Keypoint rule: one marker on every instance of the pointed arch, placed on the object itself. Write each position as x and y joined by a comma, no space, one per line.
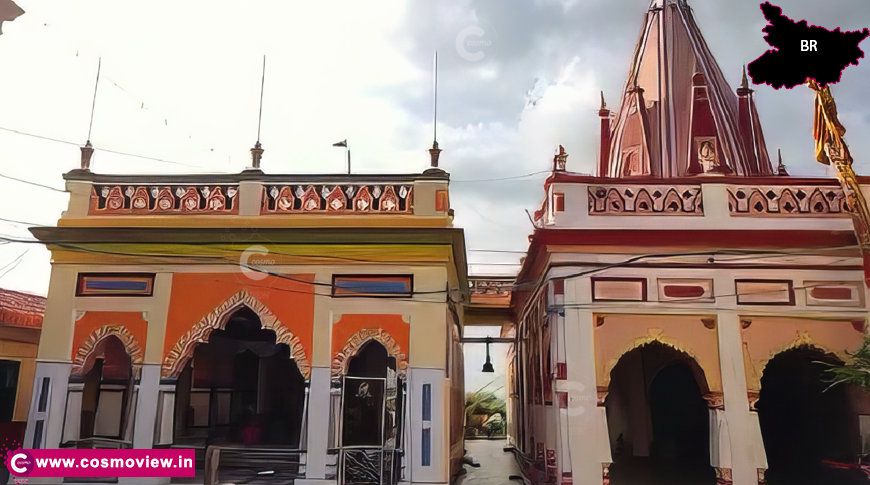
655,337
122,333
182,351
803,341
341,360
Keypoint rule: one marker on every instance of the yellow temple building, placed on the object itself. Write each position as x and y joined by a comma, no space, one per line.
309,322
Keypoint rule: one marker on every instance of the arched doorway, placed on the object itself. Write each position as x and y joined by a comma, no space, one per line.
805,423
371,417
658,419
107,391
242,387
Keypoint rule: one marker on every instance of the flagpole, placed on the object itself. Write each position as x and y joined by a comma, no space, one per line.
831,149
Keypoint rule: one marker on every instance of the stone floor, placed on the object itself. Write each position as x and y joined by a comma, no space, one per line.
495,467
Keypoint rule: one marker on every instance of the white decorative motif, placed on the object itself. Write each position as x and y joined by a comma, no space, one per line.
121,332
785,200
645,199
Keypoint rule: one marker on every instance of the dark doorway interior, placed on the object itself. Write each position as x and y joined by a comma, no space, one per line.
8,389
803,423
372,418
107,391
240,388
658,419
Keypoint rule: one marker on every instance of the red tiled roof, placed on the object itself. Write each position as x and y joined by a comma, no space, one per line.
19,309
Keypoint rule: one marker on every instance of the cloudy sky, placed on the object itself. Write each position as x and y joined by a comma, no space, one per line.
180,83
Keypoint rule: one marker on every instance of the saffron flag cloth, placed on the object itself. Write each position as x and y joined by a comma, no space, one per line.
8,12
826,124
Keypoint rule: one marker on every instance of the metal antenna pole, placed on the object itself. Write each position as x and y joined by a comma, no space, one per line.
262,84
434,152
94,104
435,99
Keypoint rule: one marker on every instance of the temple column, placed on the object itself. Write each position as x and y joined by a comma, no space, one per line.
739,446
587,422
146,419
318,462
318,424
45,421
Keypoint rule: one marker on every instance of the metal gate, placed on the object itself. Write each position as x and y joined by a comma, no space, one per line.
370,423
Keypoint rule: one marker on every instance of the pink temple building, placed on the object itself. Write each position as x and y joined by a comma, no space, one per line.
677,311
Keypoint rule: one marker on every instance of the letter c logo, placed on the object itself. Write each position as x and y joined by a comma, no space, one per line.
244,266
21,463
460,43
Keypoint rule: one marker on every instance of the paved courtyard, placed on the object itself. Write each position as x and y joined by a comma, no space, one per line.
495,467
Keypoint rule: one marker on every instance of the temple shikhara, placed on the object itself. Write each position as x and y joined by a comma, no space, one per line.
674,319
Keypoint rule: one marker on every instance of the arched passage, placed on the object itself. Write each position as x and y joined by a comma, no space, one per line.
241,387
658,419
372,416
107,390
806,426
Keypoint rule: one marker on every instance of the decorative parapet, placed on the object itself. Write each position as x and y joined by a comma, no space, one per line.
163,199
648,199
787,201
497,287
334,199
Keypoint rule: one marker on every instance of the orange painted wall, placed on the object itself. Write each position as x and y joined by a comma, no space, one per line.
621,333
349,325
767,337
91,321
195,295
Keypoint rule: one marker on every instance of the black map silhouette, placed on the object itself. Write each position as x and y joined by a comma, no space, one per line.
792,58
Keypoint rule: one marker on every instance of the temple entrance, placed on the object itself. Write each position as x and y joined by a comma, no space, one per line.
658,419
806,425
241,388
371,418
107,391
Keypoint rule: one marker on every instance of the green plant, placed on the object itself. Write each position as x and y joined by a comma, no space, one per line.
855,371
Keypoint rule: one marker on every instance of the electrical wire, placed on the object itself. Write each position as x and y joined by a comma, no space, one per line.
161,160
14,264
32,183
502,178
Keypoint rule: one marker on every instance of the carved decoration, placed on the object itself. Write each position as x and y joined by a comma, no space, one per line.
159,200
715,400
803,340
122,333
753,399
745,323
603,391
723,476
341,360
338,199
490,287
761,479
605,473
652,199
709,323
784,201
182,351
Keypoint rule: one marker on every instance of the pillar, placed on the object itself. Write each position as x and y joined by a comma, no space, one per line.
318,425
45,422
587,422
745,455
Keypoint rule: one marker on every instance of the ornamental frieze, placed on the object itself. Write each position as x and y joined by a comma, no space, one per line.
781,201
344,199
163,199
652,199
